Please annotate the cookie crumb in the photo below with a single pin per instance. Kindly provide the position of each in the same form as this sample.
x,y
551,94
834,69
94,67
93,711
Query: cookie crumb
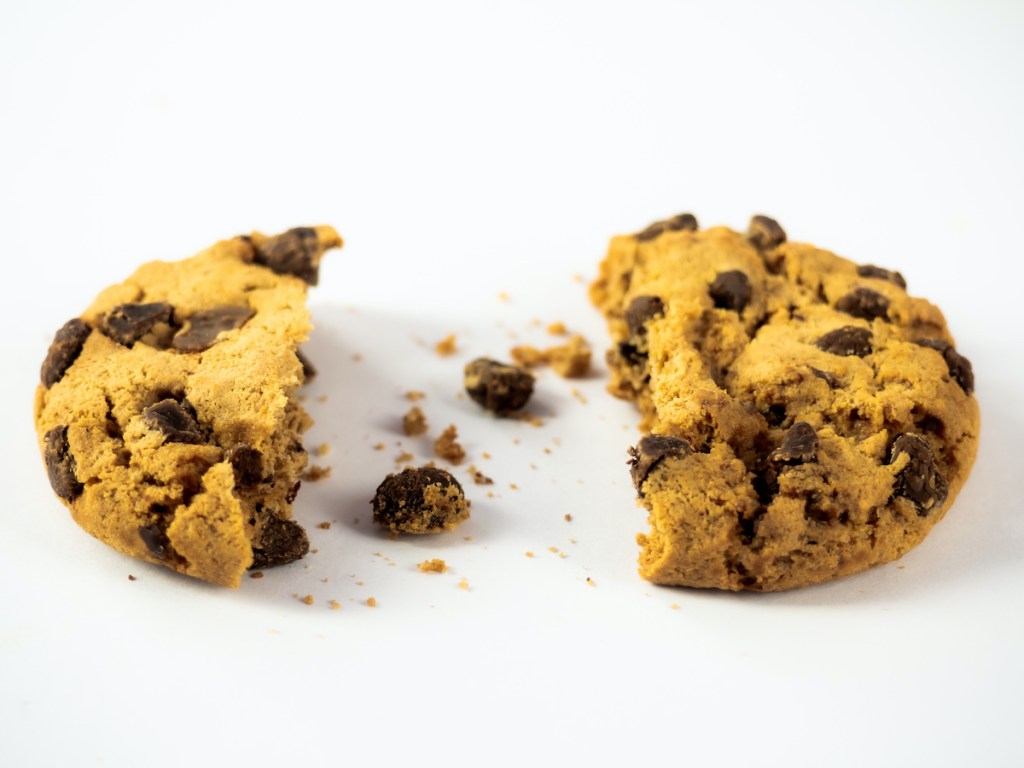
x,y
256,575
130,577
674,606
379,447
464,583
557,329
479,477
447,446
335,605
570,360
590,582
568,517
316,472
433,566
308,599
529,553
372,602
414,422
404,458
321,450
325,525
424,500
446,346
414,395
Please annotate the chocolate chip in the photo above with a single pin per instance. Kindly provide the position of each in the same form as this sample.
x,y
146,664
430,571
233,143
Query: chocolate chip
x,y
959,366
650,452
681,221
826,376
424,500
295,252
154,536
60,464
846,341
799,445
920,481
177,421
128,323
870,270
731,290
498,387
308,369
64,350
282,542
864,303
247,463
765,233
204,327
640,310
293,492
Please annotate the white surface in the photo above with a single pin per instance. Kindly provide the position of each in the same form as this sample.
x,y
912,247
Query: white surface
x,y
465,150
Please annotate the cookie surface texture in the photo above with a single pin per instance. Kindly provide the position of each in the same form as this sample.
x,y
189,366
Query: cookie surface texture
x,y
805,418
167,412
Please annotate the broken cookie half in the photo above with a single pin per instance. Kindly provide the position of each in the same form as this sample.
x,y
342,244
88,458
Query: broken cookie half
x,y
168,414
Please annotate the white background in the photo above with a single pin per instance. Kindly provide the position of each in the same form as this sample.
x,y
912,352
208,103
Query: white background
x,y
469,150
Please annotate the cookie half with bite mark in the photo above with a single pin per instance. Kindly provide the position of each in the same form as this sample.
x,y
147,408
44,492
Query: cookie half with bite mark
x,y
805,418
168,415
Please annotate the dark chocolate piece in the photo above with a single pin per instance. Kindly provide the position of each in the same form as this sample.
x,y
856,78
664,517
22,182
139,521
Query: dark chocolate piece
x,y
920,481
799,446
400,503
765,233
827,377
846,341
154,536
640,310
959,366
128,323
650,452
295,252
864,303
282,542
247,463
64,350
498,387
60,464
681,221
870,270
731,290
204,327
177,421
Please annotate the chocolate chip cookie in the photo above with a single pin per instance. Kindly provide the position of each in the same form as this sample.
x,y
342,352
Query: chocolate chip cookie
x,y
805,417
167,412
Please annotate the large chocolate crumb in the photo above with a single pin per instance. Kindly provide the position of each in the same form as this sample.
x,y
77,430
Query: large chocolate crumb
x,y
60,463
295,252
959,366
127,323
177,421
64,350
765,233
247,464
204,327
650,452
731,290
799,445
864,303
281,542
498,387
920,481
846,341
640,310
424,500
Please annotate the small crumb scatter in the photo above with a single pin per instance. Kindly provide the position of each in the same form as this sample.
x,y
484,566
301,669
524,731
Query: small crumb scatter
x,y
503,296
447,446
446,346
372,602
464,584
321,450
379,447
325,525
529,554
316,472
513,486
322,399
256,575
570,360
579,396
130,577
568,517
590,582
557,329
467,538
553,549
479,477
404,458
357,357
308,599
433,566
486,455
674,606
414,422
335,605
415,395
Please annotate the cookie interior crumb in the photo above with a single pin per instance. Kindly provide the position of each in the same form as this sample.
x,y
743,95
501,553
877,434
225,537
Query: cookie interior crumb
x,y
447,446
414,422
435,565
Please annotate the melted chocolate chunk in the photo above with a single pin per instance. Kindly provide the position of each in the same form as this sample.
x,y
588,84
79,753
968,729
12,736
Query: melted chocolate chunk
x,y
870,270
128,323
959,366
64,350
60,464
205,326
498,387
731,290
846,341
400,503
681,221
920,481
799,446
177,421
650,452
282,542
765,233
640,310
154,536
247,463
864,303
295,252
